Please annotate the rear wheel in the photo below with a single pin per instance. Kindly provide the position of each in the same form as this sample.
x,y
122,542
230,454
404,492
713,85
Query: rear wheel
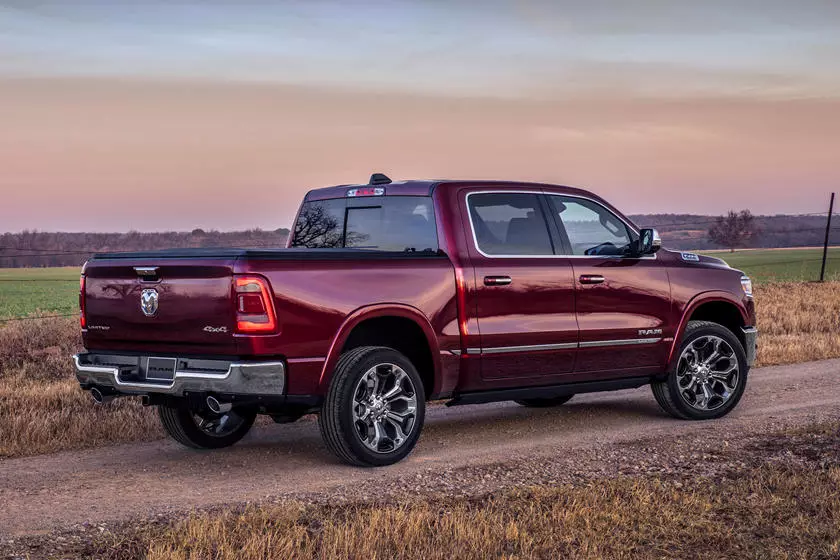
x,y
709,377
205,429
374,409
544,403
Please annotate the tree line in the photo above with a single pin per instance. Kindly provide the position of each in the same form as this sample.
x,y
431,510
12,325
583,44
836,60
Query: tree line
x,y
47,249
679,231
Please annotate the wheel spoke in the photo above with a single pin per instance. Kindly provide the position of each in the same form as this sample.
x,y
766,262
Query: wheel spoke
x,y
715,355
378,434
727,387
703,402
399,435
399,377
401,415
373,382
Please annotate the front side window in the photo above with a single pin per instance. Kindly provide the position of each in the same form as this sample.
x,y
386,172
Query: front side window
x,y
391,223
509,224
592,230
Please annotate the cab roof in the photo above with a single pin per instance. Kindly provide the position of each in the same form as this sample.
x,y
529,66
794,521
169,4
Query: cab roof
x,y
427,186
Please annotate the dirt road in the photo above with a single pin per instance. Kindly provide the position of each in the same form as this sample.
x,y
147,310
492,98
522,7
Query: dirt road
x,y
43,493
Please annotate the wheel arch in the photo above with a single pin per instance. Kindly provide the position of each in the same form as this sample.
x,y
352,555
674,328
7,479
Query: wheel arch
x,y
717,307
399,325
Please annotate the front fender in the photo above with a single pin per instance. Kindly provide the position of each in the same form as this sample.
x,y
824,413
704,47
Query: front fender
x,y
691,307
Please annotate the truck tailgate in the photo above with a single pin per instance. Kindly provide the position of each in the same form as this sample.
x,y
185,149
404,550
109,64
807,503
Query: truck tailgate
x,y
149,301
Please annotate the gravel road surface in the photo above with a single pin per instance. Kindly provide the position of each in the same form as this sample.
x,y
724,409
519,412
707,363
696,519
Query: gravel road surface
x,y
112,484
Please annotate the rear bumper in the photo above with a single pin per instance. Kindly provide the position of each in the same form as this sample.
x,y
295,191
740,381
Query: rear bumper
x,y
750,344
122,374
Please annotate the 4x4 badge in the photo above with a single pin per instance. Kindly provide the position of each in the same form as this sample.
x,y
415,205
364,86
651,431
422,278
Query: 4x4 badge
x,y
149,302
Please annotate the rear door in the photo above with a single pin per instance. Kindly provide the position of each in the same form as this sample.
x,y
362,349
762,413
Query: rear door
x,y
525,305
623,303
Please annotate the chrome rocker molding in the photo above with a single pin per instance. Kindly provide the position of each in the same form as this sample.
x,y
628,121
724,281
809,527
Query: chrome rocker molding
x,y
561,346
253,378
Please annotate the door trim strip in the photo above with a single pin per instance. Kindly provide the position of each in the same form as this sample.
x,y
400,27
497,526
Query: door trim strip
x,y
623,342
530,348
562,346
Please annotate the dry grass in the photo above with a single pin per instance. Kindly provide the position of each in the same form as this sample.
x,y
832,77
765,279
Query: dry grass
x,y
42,409
798,322
774,512
47,416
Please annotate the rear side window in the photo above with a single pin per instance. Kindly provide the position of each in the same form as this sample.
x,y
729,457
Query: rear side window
x,y
510,224
392,223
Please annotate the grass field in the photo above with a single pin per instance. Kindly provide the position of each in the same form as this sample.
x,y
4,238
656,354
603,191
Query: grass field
x,y
24,291
783,265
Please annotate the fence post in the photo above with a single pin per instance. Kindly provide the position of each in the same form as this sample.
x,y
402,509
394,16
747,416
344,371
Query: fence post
x,y
827,233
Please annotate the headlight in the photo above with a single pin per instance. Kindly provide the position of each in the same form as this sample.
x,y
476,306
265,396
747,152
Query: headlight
x,y
746,284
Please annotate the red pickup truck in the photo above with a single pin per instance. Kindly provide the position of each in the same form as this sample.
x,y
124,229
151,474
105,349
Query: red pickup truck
x,y
393,294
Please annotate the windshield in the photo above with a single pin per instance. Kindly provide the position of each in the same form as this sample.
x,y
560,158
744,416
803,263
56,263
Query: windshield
x,y
393,223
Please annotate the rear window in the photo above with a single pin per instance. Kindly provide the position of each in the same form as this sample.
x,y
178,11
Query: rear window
x,y
392,223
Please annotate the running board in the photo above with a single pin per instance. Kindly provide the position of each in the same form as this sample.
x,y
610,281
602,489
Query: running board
x,y
547,392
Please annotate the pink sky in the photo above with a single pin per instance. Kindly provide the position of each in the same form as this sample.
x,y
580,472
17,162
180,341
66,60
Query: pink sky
x,y
86,144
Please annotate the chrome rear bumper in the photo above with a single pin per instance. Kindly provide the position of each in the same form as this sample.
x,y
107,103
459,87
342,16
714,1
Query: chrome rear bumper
x,y
750,344
239,378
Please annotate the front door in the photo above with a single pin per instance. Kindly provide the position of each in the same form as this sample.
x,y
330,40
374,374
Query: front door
x,y
525,292
623,303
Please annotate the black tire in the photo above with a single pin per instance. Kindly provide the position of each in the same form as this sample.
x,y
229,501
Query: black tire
x,y
545,402
669,394
180,424
336,420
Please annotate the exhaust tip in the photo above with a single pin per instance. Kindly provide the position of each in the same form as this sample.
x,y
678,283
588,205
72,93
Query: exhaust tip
x,y
217,407
97,395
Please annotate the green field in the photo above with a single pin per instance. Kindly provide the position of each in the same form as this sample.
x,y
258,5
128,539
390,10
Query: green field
x,y
783,265
24,291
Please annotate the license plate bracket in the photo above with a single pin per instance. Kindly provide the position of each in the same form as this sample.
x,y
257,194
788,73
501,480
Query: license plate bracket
x,y
161,369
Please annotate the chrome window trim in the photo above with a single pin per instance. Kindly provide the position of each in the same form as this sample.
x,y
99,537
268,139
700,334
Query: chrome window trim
x,y
561,346
512,191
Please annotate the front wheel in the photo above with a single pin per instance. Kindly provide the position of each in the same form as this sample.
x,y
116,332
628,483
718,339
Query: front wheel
x,y
709,377
374,409
205,429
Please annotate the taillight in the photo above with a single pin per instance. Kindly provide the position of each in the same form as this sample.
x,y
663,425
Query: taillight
x,y
254,305
82,317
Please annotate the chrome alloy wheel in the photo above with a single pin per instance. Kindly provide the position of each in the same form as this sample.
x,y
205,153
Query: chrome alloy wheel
x,y
707,373
217,425
384,408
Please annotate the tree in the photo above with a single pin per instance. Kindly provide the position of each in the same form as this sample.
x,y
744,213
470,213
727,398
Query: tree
x,y
735,229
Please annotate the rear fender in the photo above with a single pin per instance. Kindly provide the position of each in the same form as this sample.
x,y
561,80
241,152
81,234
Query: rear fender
x,y
371,312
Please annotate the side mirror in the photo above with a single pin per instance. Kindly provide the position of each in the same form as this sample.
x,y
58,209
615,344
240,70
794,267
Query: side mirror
x,y
649,242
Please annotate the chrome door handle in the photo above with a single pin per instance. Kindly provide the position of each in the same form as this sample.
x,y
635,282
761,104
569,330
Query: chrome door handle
x,y
497,280
591,279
